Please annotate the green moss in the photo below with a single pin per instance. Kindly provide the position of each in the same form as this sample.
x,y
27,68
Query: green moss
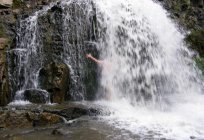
x,y
196,40
17,4
180,5
200,64
175,7
2,31
187,2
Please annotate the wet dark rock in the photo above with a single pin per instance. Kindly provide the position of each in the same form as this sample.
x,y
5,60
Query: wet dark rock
x,y
5,96
71,113
77,33
198,3
25,119
42,115
14,119
36,96
56,8
44,118
75,112
60,131
54,78
51,28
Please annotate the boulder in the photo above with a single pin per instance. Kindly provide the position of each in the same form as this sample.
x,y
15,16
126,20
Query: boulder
x,y
44,119
29,116
73,112
14,119
3,42
60,131
55,78
27,119
36,96
6,3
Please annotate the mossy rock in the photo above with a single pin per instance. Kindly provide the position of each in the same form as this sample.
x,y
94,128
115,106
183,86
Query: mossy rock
x,y
196,40
180,6
187,2
2,31
17,4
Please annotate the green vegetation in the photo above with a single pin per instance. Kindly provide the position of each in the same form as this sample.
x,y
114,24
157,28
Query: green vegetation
x,y
185,2
180,6
200,64
17,4
2,31
196,40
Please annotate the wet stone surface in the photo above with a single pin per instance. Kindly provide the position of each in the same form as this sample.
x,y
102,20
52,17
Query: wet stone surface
x,y
31,116
85,128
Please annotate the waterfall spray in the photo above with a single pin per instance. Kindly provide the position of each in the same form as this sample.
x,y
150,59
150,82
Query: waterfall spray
x,y
148,57
154,84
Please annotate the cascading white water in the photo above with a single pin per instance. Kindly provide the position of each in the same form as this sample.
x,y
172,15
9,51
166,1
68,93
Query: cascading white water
x,y
77,31
27,54
146,51
156,90
70,26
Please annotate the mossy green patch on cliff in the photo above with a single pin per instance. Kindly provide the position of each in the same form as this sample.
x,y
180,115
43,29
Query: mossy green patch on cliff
x,y
185,2
196,40
17,4
180,6
2,31
200,63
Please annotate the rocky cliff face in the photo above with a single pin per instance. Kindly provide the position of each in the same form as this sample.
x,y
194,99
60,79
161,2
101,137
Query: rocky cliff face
x,y
189,14
60,43
10,12
6,36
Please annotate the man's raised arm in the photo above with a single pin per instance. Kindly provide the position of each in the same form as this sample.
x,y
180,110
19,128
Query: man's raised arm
x,y
94,59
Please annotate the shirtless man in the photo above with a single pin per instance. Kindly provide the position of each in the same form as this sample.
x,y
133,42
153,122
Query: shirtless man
x,y
105,67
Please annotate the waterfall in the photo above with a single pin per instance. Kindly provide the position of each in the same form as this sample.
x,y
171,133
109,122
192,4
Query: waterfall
x,y
147,55
25,59
61,32
155,88
148,78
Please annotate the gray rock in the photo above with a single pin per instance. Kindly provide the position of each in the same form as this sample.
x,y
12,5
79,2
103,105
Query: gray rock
x,y
36,96
75,112
6,3
60,131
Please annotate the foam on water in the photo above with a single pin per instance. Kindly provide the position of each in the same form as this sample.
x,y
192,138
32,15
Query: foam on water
x,y
183,119
19,103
